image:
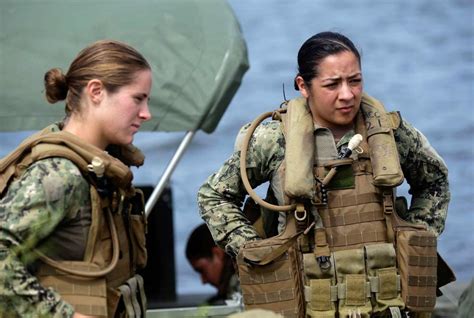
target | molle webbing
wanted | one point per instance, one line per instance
(86, 295)
(417, 258)
(354, 216)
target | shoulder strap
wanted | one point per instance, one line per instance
(60, 144)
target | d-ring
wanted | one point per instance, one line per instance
(300, 218)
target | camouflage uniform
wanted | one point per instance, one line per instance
(47, 208)
(221, 196)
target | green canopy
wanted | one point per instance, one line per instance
(195, 47)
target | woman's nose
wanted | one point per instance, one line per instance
(145, 113)
(345, 93)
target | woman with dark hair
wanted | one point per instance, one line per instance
(72, 225)
(342, 200)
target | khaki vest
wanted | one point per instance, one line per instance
(104, 283)
(374, 261)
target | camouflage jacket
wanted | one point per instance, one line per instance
(47, 205)
(221, 196)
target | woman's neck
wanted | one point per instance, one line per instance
(339, 132)
(78, 126)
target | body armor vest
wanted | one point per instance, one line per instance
(343, 251)
(104, 283)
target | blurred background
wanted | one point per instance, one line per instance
(417, 57)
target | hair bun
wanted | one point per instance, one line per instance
(55, 85)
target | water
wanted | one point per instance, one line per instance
(417, 57)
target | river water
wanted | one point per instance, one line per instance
(417, 57)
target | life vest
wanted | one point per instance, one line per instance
(105, 282)
(343, 249)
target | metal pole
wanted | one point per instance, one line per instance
(168, 171)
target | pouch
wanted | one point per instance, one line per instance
(417, 259)
(276, 286)
(353, 287)
(383, 276)
(320, 288)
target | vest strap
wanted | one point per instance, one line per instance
(127, 300)
(321, 248)
(141, 292)
(388, 210)
(132, 283)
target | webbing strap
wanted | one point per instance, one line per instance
(355, 217)
(269, 297)
(422, 240)
(322, 248)
(341, 201)
(422, 281)
(132, 283)
(127, 300)
(97, 310)
(256, 277)
(373, 235)
(141, 290)
(388, 210)
(375, 284)
(423, 261)
(280, 250)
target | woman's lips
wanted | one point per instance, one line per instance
(345, 110)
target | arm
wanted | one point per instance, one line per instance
(221, 196)
(30, 211)
(427, 175)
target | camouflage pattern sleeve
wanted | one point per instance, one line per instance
(427, 175)
(31, 209)
(221, 196)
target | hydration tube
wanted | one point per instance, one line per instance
(243, 165)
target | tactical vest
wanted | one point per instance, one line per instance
(104, 283)
(343, 251)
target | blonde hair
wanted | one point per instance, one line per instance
(114, 63)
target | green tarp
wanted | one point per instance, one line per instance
(195, 47)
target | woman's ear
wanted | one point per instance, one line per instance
(95, 90)
(302, 86)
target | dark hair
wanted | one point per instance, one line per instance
(113, 63)
(200, 243)
(316, 48)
